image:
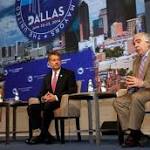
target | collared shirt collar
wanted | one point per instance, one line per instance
(57, 73)
(146, 53)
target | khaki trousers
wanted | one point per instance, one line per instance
(131, 109)
(0, 114)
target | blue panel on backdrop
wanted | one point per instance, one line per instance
(27, 77)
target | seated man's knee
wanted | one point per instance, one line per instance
(137, 100)
(46, 107)
(33, 105)
(116, 103)
(34, 109)
(33, 100)
(121, 102)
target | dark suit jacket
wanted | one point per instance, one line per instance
(66, 84)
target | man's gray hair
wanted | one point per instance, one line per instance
(145, 35)
(147, 38)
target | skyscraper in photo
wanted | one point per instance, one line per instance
(72, 35)
(131, 26)
(34, 7)
(120, 11)
(147, 15)
(103, 15)
(140, 23)
(84, 21)
(79, 30)
(116, 29)
(98, 27)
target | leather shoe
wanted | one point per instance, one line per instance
(27, 141)
(34, 140)
(131, 142)
(30, 141)
(144, 140)
(50, 139)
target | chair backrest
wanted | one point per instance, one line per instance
(2, 94)
(79, 83)
(147, 107)
(69, 108)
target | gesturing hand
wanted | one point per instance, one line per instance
(132, 81)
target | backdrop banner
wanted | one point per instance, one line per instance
(26, 77)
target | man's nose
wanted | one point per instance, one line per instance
(135, 45)
(56, 62)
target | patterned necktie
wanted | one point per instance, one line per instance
(54, 81)
(141, 68)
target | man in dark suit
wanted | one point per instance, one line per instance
(58, 82)
(131, 106)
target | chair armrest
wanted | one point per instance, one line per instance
(59, 112)
(0, 114)
(33, 100)
(147, 107)
(64, 100)
(121, 92)
(68, 107)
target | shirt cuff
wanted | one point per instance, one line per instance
(56, 98)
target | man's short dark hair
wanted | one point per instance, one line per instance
(54, 53)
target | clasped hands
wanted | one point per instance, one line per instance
(48, 97)
(132, 81)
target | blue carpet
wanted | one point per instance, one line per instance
(107, 143)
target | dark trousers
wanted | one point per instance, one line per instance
(41, 115)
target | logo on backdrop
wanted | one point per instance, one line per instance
(14, 91)
(44, 19)
(80, 71)
(30, 78)
(5, 72)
